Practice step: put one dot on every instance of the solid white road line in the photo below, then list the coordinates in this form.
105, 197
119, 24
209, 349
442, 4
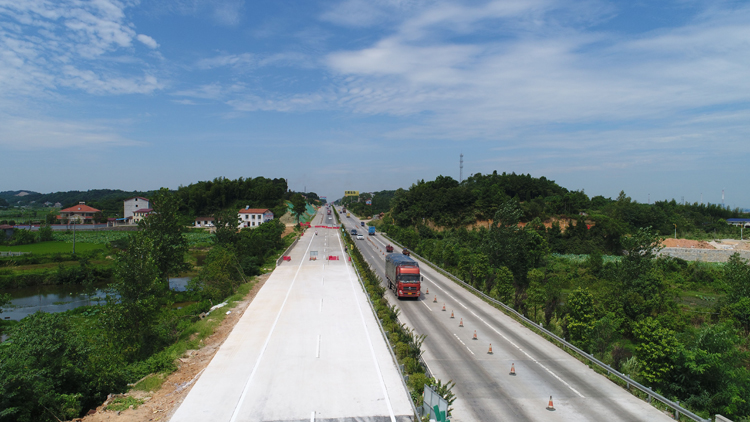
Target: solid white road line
265, 345
422, 301
369, 340
509, 341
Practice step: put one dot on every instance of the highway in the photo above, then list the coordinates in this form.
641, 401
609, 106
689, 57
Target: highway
308, 348
484, 388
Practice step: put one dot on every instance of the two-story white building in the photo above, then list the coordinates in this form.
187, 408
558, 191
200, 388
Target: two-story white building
134, 204
254, 217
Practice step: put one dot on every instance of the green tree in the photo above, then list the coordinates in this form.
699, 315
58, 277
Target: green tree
299, 206
45, 233
502, 289
657, 350
43, 370
737, 278
227, 232
165, 232
580, 316
220, 275
137, 296
604, 332
640, 288
510, 246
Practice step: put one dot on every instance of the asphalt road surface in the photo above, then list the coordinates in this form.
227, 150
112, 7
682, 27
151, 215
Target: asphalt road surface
308, 348
484, 388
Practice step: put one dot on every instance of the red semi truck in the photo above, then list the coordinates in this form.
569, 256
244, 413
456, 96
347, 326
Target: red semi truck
403, 276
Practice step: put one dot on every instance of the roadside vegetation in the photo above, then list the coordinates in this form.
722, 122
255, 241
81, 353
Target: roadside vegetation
57, 366
678, 327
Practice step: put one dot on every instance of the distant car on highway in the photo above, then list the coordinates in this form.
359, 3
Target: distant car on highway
360, 237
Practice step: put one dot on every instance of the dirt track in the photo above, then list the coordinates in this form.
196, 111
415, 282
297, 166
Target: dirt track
160, 405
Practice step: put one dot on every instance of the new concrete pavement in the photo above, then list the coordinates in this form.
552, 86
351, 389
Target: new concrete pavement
307, 348
484, 388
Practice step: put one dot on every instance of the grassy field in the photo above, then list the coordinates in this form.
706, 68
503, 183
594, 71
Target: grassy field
53, 247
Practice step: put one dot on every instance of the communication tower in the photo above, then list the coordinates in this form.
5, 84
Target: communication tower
461, 169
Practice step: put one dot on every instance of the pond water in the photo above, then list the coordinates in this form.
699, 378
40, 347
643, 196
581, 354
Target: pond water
61, 298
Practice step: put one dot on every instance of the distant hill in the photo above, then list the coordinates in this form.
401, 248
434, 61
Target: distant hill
107, 200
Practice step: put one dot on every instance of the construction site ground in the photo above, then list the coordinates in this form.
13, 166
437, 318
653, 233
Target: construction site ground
160, 405
726, 244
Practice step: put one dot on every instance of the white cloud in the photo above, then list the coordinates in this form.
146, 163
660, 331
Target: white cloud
222, 12
34, 134
224, 60
147, 41
49, 44
467, 71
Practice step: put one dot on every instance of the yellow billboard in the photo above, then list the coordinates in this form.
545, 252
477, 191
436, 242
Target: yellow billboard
351, 193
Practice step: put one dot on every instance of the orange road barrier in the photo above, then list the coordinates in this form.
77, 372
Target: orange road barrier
475, 335
461, 323
451, 314
512, 370
435, 300
550, 406
490, 351
443, 307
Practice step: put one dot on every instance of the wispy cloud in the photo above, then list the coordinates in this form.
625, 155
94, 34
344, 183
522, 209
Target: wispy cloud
28, 133
49, 44
478, 71
222, 12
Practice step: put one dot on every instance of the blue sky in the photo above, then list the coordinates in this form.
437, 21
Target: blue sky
648, 97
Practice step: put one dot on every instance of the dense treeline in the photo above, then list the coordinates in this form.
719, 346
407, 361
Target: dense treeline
57, 366
381, 202
678, 327
208, 197
446, 203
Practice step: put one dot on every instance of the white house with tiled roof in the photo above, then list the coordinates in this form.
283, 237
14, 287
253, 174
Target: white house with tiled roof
134, 204
254, 217
80, 213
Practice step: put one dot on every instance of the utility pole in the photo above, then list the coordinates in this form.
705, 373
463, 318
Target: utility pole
675, 231
74, 237
461, 169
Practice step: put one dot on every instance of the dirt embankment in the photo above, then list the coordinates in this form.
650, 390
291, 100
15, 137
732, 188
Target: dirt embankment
161, 404
685, 243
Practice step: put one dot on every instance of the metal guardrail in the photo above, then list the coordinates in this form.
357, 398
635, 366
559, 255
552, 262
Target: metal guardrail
678, 410
385, 335
281, 258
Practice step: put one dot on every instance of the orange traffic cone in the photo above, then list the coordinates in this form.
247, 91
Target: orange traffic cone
550, 406
443, 307
512, 370
451, 314
475, 335
435, 300
490, 351
461, 323
427, 291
